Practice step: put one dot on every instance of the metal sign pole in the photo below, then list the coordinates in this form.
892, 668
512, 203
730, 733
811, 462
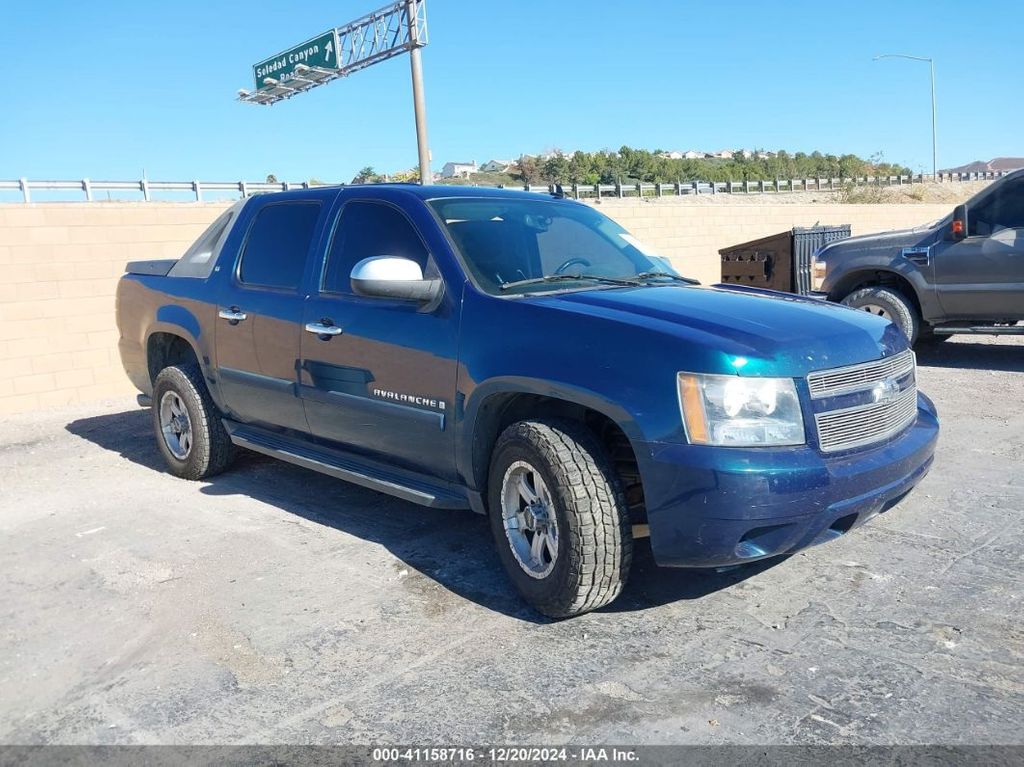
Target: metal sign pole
397, 28
418, 100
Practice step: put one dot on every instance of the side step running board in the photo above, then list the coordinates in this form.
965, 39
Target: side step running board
401, 484
982, 330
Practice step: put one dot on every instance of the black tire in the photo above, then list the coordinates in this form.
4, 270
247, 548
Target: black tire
595, 541
887, 302
211, 450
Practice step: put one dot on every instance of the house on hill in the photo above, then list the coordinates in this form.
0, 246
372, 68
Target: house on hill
458, 169
998, 165
496, 166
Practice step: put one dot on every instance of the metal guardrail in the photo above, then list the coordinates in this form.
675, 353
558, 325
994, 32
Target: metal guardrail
197, 188
146, 188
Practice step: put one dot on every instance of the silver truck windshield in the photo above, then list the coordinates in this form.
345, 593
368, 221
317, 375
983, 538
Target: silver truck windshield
515, 246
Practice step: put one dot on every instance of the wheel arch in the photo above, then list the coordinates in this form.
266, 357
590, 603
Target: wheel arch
502, 403
886, 278
165, 348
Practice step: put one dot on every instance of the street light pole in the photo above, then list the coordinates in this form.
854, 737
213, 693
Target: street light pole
931, 66
418, 99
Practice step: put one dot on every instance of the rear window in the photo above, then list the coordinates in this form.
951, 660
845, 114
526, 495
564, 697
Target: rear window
198, 260
278, 244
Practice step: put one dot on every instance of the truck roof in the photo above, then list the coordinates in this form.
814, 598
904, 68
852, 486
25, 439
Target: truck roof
424, 192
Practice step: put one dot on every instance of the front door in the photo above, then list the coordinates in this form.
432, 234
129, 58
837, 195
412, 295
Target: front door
260, 315
378, 375
982, 276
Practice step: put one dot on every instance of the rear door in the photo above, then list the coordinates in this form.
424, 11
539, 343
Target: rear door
260, 314
383, 385
982, 276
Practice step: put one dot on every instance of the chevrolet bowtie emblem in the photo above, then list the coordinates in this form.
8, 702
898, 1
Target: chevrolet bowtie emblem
886, 391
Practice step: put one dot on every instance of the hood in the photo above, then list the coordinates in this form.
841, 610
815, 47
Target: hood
883, 241
772, 333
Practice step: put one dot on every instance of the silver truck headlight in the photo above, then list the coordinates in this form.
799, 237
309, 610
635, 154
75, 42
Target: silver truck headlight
730, 411
818, 271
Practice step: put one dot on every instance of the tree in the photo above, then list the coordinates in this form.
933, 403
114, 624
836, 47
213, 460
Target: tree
271, 178
555, 169
406, 176
579, 168
367, 176
528, 169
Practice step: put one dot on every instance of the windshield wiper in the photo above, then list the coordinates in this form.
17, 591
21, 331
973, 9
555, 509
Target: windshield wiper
669, 275
570, 278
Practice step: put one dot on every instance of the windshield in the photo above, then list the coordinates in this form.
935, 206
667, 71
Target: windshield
515, 246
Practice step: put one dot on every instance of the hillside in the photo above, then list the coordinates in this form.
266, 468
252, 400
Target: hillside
983, 166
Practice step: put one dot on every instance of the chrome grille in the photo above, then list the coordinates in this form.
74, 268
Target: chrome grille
858, 426
828, 383
865, 424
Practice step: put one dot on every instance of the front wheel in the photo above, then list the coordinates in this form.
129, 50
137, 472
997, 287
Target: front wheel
559, 517
888, 304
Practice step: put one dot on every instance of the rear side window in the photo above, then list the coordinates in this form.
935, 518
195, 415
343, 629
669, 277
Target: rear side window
198, 260
368, 229
278, 243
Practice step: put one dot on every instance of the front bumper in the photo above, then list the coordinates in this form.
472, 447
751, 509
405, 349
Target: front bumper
711, 507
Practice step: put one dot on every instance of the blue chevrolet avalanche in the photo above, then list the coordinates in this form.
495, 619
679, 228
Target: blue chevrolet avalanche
525, 357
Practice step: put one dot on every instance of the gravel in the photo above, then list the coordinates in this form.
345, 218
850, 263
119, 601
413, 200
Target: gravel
274, 605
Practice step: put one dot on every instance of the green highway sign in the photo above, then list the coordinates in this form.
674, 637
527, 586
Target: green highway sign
321, 51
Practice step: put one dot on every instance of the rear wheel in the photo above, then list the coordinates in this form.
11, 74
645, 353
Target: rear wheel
888, 304
559, 517
188, 426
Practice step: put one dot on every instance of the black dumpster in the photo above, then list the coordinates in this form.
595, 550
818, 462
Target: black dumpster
781, 261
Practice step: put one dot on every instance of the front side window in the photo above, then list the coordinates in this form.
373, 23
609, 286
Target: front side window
366, 230
506, 241
1003, 210
278, 243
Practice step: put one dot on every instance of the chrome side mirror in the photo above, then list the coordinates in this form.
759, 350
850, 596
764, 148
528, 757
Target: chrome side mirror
393, 277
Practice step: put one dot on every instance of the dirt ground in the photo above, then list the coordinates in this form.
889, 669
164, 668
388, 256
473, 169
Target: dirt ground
276, 605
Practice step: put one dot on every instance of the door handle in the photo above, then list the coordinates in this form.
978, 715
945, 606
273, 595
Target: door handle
322, 330
232, 315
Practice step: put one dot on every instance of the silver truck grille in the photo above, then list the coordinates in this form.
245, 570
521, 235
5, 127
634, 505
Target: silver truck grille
890, 410
829, 383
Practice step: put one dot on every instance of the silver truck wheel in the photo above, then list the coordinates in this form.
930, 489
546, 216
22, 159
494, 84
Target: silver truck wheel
888, 304
559, 517
528, 514
878, 311
187, 424
175, 425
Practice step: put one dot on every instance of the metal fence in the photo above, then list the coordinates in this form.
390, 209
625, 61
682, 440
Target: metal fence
93, 191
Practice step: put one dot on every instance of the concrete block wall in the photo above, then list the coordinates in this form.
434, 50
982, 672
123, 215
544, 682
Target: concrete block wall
59, 265
691, 232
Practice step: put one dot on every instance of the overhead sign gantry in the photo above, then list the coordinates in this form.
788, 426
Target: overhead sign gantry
380, 35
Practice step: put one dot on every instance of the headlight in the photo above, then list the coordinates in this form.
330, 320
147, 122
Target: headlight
740, 412
818, 271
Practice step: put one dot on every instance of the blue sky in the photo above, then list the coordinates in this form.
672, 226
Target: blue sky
109, 88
